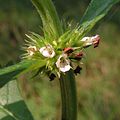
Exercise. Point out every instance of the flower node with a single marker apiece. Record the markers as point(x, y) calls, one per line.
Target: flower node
point(59, 57)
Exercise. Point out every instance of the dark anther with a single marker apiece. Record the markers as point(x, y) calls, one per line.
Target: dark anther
point(52, 77)
point(77, 70)
point(68, 50)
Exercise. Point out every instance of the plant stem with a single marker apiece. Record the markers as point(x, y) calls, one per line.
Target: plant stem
point(68, 96)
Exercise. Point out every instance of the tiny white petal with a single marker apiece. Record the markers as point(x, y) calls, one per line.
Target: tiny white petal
point(31, 50)
point(58, 63)
point(63, 63)
point(85, 39)
point(47, 51)
point(42, 49)
point(94, 37)
point(88, 41)
point(31, 53)
point(65, 68)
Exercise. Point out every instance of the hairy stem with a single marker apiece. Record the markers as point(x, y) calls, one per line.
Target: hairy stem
point(68, 96)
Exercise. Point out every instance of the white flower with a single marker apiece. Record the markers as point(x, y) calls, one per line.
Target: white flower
point(87, 40)
point(31, 50)
point(47, 51)
point(91, 41)
point(63, 63)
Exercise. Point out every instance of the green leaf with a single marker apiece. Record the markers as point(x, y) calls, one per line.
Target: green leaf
point(96, 10)
point(12, 106)
point(9, 73)
point(51, 23)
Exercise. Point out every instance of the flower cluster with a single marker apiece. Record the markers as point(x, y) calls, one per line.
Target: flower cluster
point(60, 59)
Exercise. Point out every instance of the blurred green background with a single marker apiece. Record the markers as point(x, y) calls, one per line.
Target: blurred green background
point(98, 85)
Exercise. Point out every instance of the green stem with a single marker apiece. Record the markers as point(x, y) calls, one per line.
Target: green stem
point(68, 96)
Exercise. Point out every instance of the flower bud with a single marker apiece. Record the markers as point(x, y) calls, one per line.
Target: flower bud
point(31, 50)
point(68, 50)
point(79, 56)
point(96, 40)
point(88, 41)
point(77, 70)
point(52, 76)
